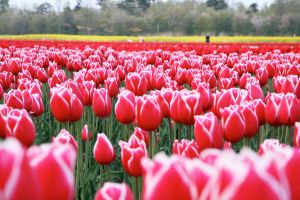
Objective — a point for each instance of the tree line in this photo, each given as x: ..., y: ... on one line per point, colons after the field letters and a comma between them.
x: 150, y: 17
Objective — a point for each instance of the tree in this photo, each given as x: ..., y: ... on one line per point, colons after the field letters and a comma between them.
x: 132, y: 5
x: 44, y: 8
x: 4, y: 4
x: 78, y: 5
x: 253, y: 7
x: 217, y: 4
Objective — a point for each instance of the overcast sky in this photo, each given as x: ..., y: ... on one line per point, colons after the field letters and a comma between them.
x: 93, y: 3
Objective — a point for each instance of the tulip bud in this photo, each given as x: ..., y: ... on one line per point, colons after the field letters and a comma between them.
x: 232, y: 123
x: 64, y: 137
x: 114, y: 191
x: 49, y: 158
x: 186, y: 148
x: 85, y: 134
x: 125, y: 107
x: 101, y: 103
x: 131, y: 154
x: 207, y: 131
x: 17, y: 180
x: 148, y: 113
x: 104, y: 152
x: 20, y: 126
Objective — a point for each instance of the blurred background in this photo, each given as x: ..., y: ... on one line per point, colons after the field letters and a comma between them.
x: 151, y: 17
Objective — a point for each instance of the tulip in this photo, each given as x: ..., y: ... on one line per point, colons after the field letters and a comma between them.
x: 269, y: 145
x: 104, y: 152
x: 101, y: 103
x: 64, y: 137
x: 251, y: 119
x: 290, y: 168
x: 17, y: 180
x: 167, y: 178
x: 85, y: 134
x: 20, y: 126
x: 112, y: 85
x: 14, y: 99
x: 233, y: 181
x: 163, y: 98
x: 184, y: 106
x: 186, y: 148
x: 282, y: 109
x: 65, y: 106
x: 114, y: 191
x: 3, y: 115
x: 47, y: 159
x: 131, y: 154
x: 262, y: 76
x: 207, y: 131
x: 232, y: 123
x: 87, y: 89
x: 141, y: 135
x: 136, y: 83
x: 125, y: 107
x: 148, y: 113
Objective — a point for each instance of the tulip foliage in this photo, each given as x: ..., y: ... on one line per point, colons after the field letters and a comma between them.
x: 149, y: 121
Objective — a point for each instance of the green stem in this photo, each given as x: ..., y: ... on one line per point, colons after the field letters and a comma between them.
x: 261, y: 136
x: 171, y: 134
x: 135, y: 187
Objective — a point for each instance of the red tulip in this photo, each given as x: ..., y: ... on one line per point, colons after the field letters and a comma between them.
x: 65, y: 106
x: 64, y: 137
x: 296, y: 134
x: 3, y: 115
x: 136, y: 83
x: 163, y: 98
x: 20, y: 126
x: 101, y: 103
x: 132, y: 153
x: 269, y: 145
x: 290, y: 167
x: 251, y: 119
x: 184, y: 106
x: 232, y: 123
x: 148, y: 113
x: 104, y: 152
x: 186, y: 148
x: 260, y: 108
x: 85, y: 134
x: 116, y: 191
x: 54, y: 166
x: 206, y: 96
x: 14, y: 65
x: 236, y: 176
x: 207, y: 131
x: 125, y: 107
x: 37, y: 107
x: 141, y: 135
x: 6, y: 79
x: 112, y: 85
x: 167, y: 178
x: 57, y: 78
x: 87, y: 89
x: 17, y: 179
x: 262, y: 76
x: 14, y: 99
x: 282, y: 109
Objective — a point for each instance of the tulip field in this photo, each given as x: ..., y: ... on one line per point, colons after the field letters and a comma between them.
x: 149, y: 120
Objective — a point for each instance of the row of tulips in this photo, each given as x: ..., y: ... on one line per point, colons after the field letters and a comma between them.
x: 46, y: 172
x: 143, y: 102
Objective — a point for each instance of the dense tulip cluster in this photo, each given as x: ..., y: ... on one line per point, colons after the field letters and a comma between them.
x: 145, y: 98
x: 212, y: 175
x: 29, y: 173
